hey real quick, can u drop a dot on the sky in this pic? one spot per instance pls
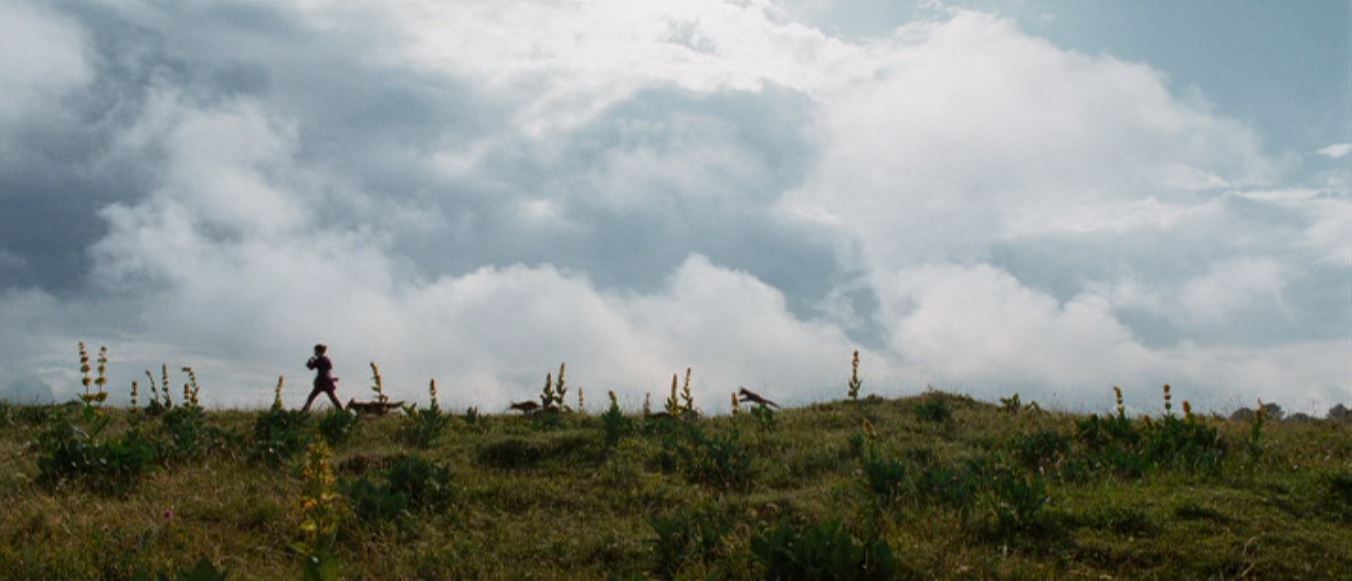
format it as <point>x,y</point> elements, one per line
<point>1043,198</point>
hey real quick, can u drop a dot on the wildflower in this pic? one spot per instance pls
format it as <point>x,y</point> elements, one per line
<point>855,384</point>
<point>277,393</point>
<point>686,395</point>
<point>134,387</point>
<point>1121,409</point>
<point>869,430</point>
<point>379,387</point>
<point>736,404</point>
<point>1168,400</point>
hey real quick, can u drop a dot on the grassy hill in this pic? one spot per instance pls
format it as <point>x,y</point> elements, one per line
<point>933,486</point>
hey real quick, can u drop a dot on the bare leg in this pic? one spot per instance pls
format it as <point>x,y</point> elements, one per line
<point>314,393</point>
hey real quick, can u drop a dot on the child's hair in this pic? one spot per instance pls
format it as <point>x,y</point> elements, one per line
<point>321,347</point>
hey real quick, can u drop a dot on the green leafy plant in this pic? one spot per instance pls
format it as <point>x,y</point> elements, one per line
<point>822,551</point>
<point>337,426</point>
<point>719,461</point>
<point>765,417</point>
<point>855,384</point>
<point>422,428</point>
<point>695,535</point>
<point>934,409</point>
<point>68,452</point>
<point>409,484</point>
<point>615,424</point>
<point>321,515</point>
<point>278,435</point>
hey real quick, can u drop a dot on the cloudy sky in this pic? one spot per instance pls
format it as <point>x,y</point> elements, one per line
<point>1047,198</point>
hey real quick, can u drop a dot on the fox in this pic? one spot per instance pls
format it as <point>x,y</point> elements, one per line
<point>527,406</point>
<point>753,397</point>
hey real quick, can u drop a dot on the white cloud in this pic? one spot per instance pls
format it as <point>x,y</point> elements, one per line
<point>1336,150</point>
<point>42,57</point>
<point>935,154</point>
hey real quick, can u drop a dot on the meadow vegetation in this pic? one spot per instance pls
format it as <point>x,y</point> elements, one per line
<point>931,486</point>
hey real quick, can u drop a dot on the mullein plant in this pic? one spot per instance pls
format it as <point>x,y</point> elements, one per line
<point>673,407</point>
<point>277,404</point>
<point>379,384</point>
<point>688,397</point>
<point>1168,401</point>
<point>164,383</point>
<point>154,391</point>
<point>561,387</point>
<point>855,384</point>
<point>736,404</point>
<point>547,392</point>
<point>1121,407</point>
<point>581,401</point>
<point>191,389</point>
<point>135,388</point>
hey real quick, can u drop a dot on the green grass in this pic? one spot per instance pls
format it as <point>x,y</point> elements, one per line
<point>976,492</point>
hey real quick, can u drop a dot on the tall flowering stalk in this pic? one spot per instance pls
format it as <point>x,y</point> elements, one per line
<point>1121,408</point>
<point>687,397</point>
<point>547,392</point>
<point>102,379</point>
<point>561,386</point>
<point>164,382</point>
<point>277,404</point>
<point>855,384</point>
<point>673,406</point>
<point>154,391</point>
<point>134,392</point>
<point>736,404</point>
<point>93,397</point>
<point>191,389</point>
<point>581,401</point>
<point>1168,401</point>
<point>379,387</point>
<point>321,513</point>
<point>432,392</point>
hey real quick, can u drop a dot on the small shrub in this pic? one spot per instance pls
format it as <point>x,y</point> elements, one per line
<point>885,477</point>
<point>511,453</point>
<point>68,452</point>
<point>1339,490</point>
<point>1042,449</point>
<point>409,484</point>
<point>957,486</point>
<point>279,434</point>
<point>765,417</point>
<point>1018,505</point>
<point>422,428</point>
<point>934,409</point>
<point>685,536</point>
<point>615,424</point>
<point>337,426</point>
<point>718,461</point>
<point>822,551</point>
<point>1187,444</point>
<point>187,436</point>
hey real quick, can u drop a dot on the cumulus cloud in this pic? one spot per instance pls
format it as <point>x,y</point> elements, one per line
<point>477,192</point>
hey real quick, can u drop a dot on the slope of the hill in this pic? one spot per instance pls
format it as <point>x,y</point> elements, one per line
<point>934,486</point>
